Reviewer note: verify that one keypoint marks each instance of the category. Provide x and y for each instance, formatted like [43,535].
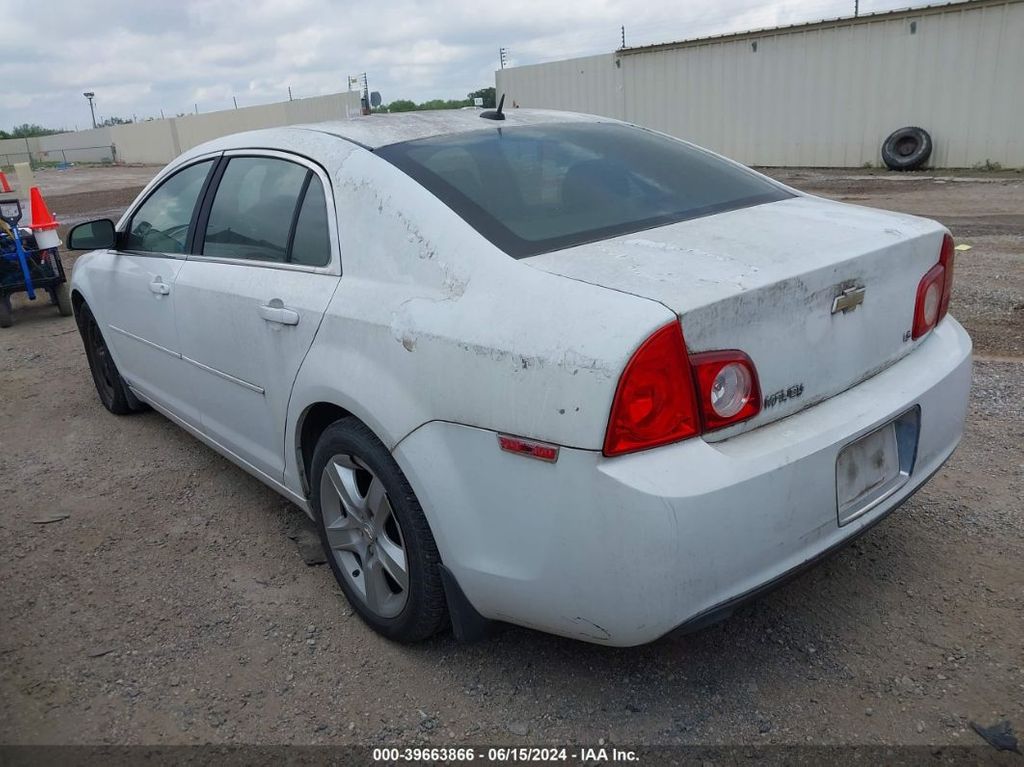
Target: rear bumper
[621,551]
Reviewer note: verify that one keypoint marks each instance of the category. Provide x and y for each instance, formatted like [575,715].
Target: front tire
[110,387]
[375,535]
[63,296]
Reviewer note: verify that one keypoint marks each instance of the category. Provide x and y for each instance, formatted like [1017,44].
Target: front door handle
[160,287]
[277,312]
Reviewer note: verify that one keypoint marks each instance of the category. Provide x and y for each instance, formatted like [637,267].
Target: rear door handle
[277,312]
[160,287]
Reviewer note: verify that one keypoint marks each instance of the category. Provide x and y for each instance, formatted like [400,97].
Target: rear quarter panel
[431,322]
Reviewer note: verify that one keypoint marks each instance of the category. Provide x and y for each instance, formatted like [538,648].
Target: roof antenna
[495,114]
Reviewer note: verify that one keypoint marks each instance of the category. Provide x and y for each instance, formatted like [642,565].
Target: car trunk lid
[766,279]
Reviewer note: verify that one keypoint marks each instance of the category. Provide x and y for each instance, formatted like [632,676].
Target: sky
[143,56]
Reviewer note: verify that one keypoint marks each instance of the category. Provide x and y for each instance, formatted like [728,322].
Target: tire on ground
[64,300]
[907,148]
[6,312]
[111,388]
[425,612]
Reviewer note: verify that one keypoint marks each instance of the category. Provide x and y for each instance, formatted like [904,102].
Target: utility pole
[90,95]
[289,93]
[366,96]
[235,99]
[856,8]
[623,29]
[503,55]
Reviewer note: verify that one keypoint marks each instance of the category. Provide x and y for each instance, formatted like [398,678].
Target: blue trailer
[25,267]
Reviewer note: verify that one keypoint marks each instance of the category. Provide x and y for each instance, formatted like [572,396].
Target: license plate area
[873,467]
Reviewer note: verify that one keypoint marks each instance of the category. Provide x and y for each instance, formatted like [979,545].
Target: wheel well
[77,299]
[316,418]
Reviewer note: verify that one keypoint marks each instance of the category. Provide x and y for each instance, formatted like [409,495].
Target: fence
[160,141]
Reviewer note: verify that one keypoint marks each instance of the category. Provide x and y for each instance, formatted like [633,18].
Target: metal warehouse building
[820,94]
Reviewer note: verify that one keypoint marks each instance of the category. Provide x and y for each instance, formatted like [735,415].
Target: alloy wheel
[364,535]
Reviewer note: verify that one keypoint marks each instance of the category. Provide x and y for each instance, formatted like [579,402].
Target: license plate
[867,471]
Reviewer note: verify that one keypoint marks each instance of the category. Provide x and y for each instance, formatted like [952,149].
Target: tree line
[405,105]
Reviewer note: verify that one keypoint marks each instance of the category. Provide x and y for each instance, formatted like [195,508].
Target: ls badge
[848,300]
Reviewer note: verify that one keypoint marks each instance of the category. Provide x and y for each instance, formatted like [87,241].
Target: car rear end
[806,382]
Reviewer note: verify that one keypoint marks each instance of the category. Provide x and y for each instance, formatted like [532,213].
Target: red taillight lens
[655,403]
[946,259]
[933,291]
[727,386]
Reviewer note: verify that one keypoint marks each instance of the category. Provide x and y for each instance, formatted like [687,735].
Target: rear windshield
[535,189]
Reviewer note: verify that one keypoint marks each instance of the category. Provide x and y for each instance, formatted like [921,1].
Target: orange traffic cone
[42,219]
[4,186]
[44,225]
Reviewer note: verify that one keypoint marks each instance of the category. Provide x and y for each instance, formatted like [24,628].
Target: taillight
[933,291]
[655,403]
[665,396]
[727,383]
[946,259]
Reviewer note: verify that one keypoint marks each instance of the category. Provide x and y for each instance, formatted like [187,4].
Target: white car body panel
[140,322]
[245,399]
[762,279]
[437,340]
[620,551]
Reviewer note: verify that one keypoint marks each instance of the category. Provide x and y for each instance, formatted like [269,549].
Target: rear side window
[312,243]
[268,209]
[161,223]
[535,189]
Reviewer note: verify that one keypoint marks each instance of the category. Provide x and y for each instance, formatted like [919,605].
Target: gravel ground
[170,603]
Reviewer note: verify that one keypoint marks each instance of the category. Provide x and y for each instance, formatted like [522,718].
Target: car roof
[379,130]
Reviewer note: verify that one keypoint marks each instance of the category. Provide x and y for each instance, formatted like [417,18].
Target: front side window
[258,210]
[535,189]
[161,223]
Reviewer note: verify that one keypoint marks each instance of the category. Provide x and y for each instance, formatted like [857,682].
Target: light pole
[90,95]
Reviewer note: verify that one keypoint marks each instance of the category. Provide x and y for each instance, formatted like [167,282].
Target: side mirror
[92,235]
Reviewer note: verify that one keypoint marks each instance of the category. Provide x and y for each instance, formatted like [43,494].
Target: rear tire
[63,296]
[110,387]
[6,312]
[375,535]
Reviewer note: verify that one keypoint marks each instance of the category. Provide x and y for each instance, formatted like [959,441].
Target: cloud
[141,58]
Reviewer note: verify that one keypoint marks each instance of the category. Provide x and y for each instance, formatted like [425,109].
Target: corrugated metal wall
[819,95]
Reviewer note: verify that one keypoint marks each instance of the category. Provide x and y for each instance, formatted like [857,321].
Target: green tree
[405,105]
[444,104]
[28,130]
[487,94]
[402,105]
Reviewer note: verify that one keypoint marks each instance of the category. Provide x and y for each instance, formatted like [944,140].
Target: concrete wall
[152,142]
[14,150]
[824,94]
[160,141]
[81,146]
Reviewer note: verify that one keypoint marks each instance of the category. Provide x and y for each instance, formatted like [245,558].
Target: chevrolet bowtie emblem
[848,300]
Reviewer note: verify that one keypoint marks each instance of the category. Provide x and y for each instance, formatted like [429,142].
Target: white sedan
[547,369]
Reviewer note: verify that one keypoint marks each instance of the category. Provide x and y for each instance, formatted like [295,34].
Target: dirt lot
[171,604]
